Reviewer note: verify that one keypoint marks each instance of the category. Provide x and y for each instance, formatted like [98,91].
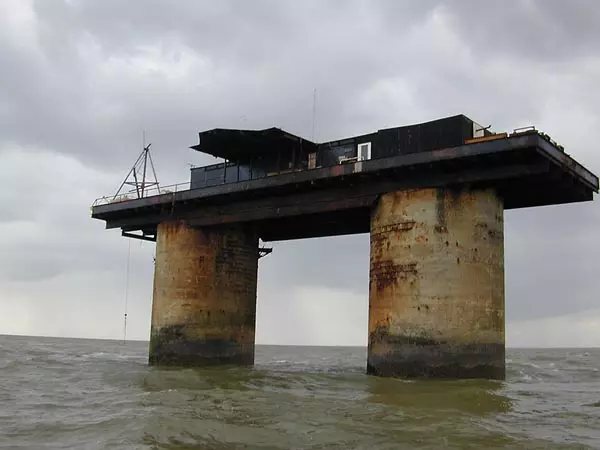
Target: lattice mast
[140,187]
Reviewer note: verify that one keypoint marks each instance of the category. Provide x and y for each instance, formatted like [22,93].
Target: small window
[312,160]
[364,151]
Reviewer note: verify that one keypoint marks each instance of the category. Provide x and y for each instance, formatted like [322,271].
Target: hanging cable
[126,291]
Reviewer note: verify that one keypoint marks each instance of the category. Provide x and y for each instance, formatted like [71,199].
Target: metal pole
[146,149]
[137,187]
[153,171]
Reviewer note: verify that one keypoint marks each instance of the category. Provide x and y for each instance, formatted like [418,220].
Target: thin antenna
[146,149]
[314,113]
[152,166]
[126,291]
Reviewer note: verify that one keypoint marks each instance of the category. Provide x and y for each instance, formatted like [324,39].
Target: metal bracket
[142,237]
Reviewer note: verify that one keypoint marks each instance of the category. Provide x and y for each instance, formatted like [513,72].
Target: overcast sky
[80,80]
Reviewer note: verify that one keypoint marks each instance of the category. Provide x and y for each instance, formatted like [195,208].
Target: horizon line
[272,345]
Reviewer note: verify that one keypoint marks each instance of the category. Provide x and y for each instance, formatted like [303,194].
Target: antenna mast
[314,113]
[141,187]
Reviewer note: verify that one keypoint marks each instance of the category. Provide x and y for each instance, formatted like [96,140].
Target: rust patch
[400,226]
[495,234]
[440,208]
[420,239]
[457,196]
[378,242]
[386,273]
[377,239]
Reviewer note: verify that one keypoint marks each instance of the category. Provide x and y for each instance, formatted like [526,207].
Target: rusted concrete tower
[437,284]
[432,196]
[204,307]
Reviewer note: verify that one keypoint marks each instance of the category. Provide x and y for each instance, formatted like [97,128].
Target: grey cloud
[38,261]
[274,58]
[339,262]
[87,304]
[550,262]
[47,250]
[45,229]
[271,55]
[528,30]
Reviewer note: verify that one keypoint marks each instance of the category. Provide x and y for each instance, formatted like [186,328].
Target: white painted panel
[364,151]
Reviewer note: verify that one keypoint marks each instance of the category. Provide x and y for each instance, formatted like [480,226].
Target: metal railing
[152,191]
[155,190]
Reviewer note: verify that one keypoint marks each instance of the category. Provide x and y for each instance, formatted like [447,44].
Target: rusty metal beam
[358,195]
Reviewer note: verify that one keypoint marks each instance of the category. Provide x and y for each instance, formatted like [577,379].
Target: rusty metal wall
[204,304]
[436,293]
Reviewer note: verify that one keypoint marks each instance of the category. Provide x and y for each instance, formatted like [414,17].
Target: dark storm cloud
[259,62]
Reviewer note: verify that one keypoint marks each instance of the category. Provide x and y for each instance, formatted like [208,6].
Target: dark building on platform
[252,154]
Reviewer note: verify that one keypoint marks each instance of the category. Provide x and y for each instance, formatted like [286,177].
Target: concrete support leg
[204,305]
[436,293]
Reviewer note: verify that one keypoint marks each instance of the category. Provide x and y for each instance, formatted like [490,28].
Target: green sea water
[90,394]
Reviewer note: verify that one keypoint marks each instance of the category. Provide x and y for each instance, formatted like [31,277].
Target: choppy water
[80,394]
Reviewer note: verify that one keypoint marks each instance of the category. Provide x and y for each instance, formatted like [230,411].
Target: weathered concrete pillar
[436,293]
[204,305]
